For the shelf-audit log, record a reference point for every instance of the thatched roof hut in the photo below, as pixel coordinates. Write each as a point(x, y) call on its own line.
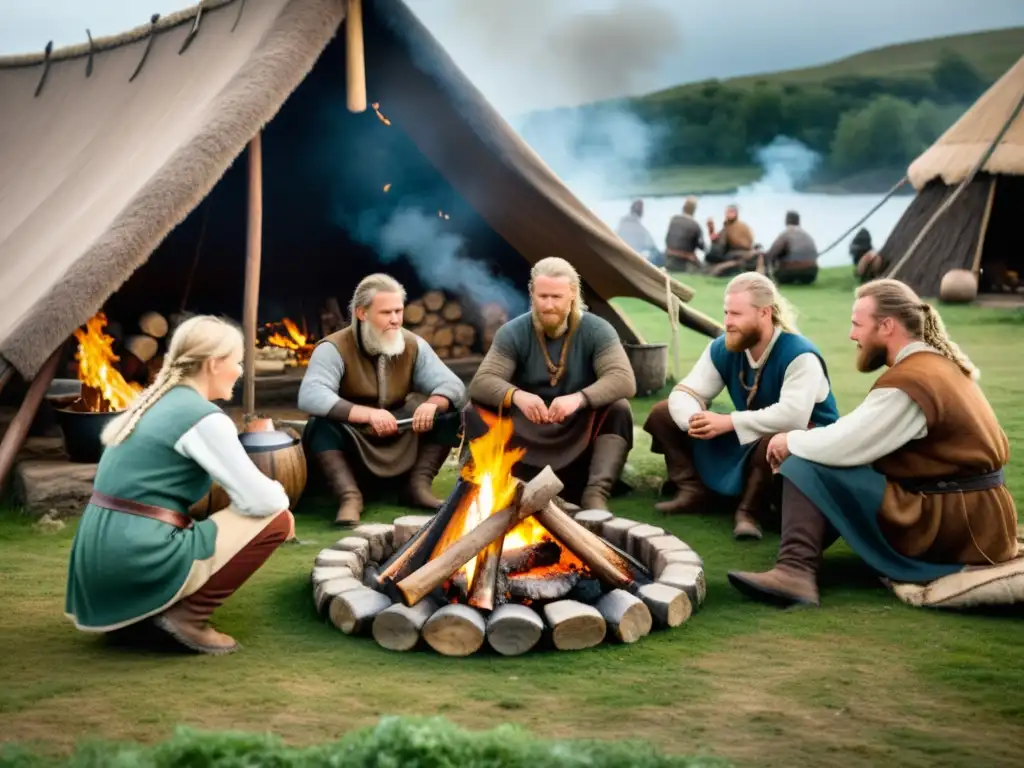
point(978, 230)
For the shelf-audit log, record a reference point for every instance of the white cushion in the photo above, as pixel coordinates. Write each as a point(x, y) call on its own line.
point(1001, 584)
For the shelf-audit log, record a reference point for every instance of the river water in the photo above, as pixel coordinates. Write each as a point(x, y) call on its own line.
point(825, 217)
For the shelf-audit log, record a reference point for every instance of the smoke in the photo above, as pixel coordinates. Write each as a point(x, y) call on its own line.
point(787, 163)
point(437, 255)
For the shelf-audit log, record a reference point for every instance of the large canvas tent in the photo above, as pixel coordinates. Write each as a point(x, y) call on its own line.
point(978, 231)
point(119, 158)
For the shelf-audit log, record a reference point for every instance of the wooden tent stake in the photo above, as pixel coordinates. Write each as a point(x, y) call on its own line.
point(17, 430)
point(976, 265)
point(253, 253)
point(355, 61)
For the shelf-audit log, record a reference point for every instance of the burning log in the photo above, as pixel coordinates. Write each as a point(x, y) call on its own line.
point(530, 557)
point(574, 626)
point(154, 324)
point(535, 495)
point(326, 591)
point(483, 592)
point(433, 301)
point(353, 612)
point(543, 586)
point(669, 606)
point(626, 616)
point(455, 630)
point(398, 628)
point(514, 629)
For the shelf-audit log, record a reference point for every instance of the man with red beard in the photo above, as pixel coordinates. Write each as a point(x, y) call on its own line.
point(359, 382)
point(912, 479)
point(777, 381)
point(563, 377)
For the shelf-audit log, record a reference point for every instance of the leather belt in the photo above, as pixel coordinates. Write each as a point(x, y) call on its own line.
point(981, 482)
point(164, 515)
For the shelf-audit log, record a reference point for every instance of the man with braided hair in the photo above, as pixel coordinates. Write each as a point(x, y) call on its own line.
point(912, 479)
point(777, 381)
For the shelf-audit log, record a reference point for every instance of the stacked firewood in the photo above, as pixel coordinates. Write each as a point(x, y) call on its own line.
point(453, 329)
point(142, 353)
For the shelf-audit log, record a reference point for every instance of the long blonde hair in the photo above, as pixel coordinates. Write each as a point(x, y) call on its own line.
point(921, 320)
point(763, 293)
point(557, 267)
point(198, 339)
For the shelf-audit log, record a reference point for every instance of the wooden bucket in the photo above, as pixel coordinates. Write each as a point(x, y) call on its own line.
point(277, 453)
point(650, 366)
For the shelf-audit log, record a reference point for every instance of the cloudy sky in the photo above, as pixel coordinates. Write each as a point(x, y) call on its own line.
point(531, 53)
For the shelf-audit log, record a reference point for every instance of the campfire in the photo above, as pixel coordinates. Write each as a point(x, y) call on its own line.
point(284, 341)
point(104, 389)
point(501, 562)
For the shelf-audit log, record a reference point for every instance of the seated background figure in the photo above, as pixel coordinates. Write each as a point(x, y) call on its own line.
point(912, 479)
point(777, 381)
point(793, 257)
point(683, 239)
point(562, 374)
point(359, 382)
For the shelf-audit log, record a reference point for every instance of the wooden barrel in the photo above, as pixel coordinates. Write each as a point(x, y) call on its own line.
point(650, 366)
point(276, 452)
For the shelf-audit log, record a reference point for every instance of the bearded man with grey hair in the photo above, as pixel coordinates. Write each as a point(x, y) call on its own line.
point(359, 382)
point(563, 377)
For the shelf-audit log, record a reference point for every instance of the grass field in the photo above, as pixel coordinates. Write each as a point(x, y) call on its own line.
point(991, 53)
point(864, 680)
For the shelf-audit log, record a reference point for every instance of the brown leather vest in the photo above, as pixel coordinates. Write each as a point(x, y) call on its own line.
point(374, 381)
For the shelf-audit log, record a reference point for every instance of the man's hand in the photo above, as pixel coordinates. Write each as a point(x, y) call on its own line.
point(423, 417)
point(778, 450)
point(708, 424)
point(563, 407)
point(532, 406)
point(383, 423)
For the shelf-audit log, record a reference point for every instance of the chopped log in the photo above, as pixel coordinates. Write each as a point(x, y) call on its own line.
point(322, 573)
point(407, 526)
point(144, 348)
point(592, 519)
point(353, 612)
point(432, 320)
point(458, 352)
point(425, 332)
point(444, 336)
point(414, 312)
point(326, 591)
point(465, 334)
point(669, 606)
point(638, 533)
point(574, 625)
point(398, 627)
point(615, 530)
point(335, 558)
point(514, 629)
point(682, 556)
point(416, 550)
point(548, 586)
point(433, 300)
point(530, 557)
point(443, 352)
point(689, 578)
point(535, 495)
point(356, 544)
point(380, 537)
point(455, 630)
point(626, 615)
point(154, 324)
point(451, 311)
point(650, 547)
point(483, 591)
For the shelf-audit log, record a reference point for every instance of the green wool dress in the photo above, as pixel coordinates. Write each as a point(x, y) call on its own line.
point(125, 567)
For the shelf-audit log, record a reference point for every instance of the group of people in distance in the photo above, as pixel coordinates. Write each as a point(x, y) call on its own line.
point(912, 478)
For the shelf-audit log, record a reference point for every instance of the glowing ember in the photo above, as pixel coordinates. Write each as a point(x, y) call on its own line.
point(286, 334)
point(376, 108)
point(103, 387)
point(387, 187)
point(443, 215)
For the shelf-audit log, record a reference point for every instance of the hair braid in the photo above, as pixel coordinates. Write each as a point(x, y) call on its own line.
point(933, 333)
point(118, 430)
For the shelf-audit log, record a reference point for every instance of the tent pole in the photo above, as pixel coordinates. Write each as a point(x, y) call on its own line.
point(355, 61)
point(17, 430)
point(253, 254)
point(976, 265)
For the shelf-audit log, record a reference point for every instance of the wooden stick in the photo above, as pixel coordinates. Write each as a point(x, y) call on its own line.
point(355, 59)
point(976, 263)
point(18, 429)
point(537, 494)
point(485, 577)
point(254, 243)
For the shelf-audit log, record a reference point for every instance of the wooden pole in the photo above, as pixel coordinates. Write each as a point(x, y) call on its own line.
point(17, 430)
point(976, 264)
point(253, 254)
point(355, 60)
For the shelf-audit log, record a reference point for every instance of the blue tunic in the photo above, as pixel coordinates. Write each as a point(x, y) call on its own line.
point(721, 462)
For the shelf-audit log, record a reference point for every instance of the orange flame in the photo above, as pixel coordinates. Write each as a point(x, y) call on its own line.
point(376, 108)
point(96, 370)
point(387, 187)
point(293, 338)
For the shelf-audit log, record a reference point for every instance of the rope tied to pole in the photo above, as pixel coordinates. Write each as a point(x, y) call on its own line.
point(673, 305)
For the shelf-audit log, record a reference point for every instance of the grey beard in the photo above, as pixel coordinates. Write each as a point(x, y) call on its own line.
point(375, 344)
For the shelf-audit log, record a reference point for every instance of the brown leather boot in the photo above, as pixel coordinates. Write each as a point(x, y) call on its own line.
point(343, 483)
point(187, 621)
point(606, 463)
point(691, 495)
point(430, 457)
point(756, 494)
point(806, 534)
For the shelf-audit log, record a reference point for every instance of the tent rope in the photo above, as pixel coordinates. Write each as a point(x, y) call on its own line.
point(238, 18)
point(673, 306)
point(46, 68)
point(92, 48)
point(194, 31)
point(149, 45)
point(867, 216)
point(963, 185)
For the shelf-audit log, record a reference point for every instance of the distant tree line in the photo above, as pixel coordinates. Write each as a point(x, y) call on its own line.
point(855, 122)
